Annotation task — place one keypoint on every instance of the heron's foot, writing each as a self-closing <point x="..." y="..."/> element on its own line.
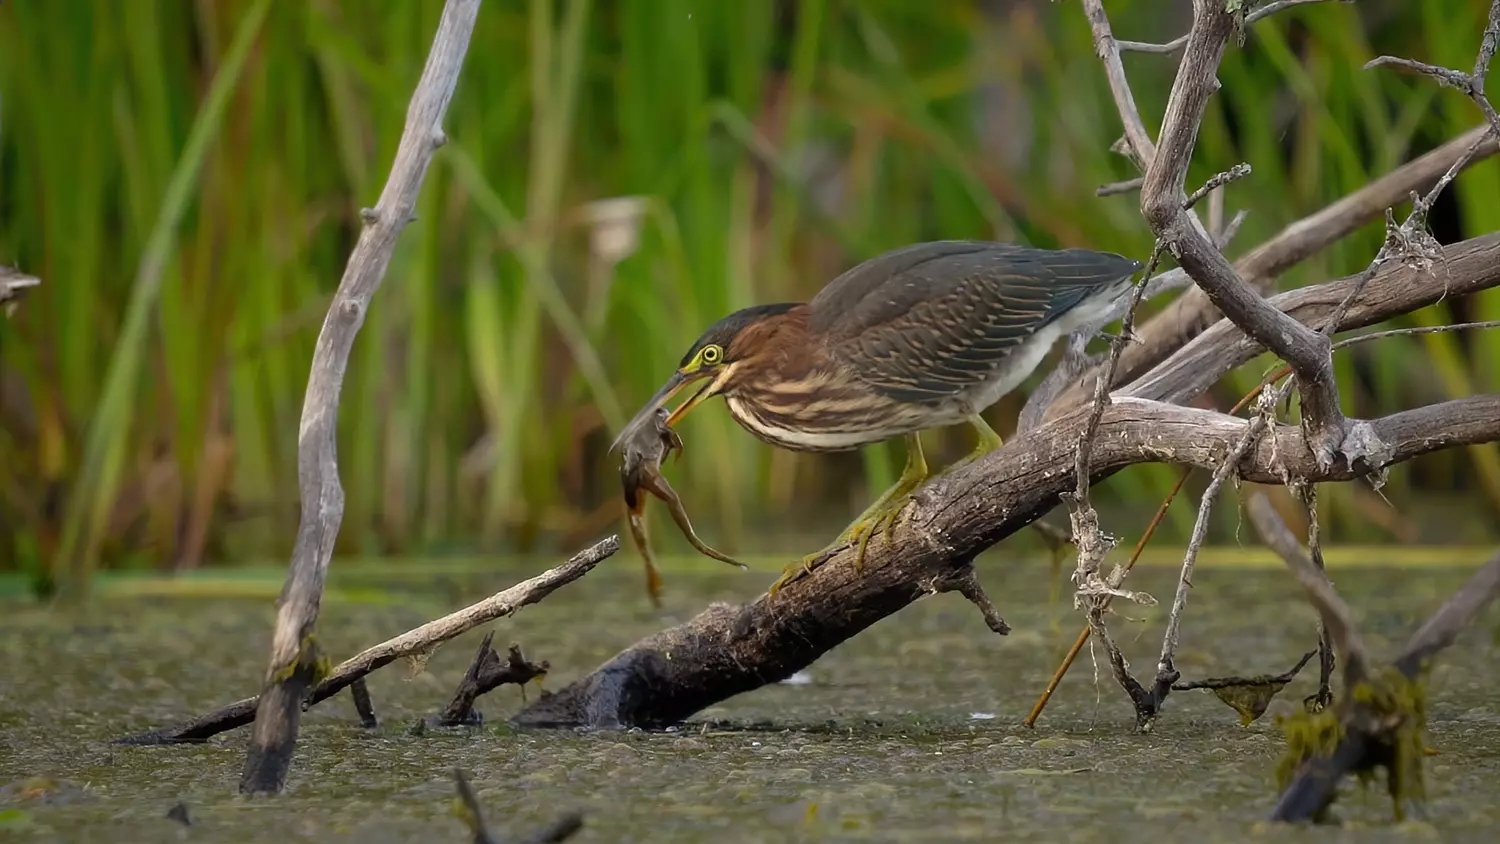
<point x="880" y="519"/>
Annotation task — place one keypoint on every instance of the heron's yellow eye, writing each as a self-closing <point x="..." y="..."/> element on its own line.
<point x="711" y="355"/>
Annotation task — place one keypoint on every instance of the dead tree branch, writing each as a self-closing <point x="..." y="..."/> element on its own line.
<point x="13" y="285"/>
<point x="1380" y="723"/>
<point x="421" y="640"/>
<point x="293" y="650"/>
<point x="487" y="673"/>
<point x="730" y="649"/>
<point x="1192" y="312"/>
<point x="363" y="707"/>
<point x="1470" y="84"/>
<point x="1308" y="352"/>
<point x="1394" y="289"/>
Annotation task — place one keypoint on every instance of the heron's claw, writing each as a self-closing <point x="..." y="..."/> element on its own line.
<point x="880" y="517"/>
<point x="880" y="520"/>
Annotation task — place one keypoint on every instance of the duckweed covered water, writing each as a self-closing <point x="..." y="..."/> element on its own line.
<point x="911" y="732"/>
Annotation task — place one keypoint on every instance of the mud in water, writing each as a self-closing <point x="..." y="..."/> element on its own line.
<point x="911" y="732"/>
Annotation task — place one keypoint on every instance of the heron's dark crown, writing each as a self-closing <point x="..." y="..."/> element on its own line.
<point x="723" y="332"/>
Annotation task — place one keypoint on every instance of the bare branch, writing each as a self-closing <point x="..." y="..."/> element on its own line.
<point x="1452" y="617"/>
<point x="1452" y="78"/>
<point x="1143" y="150"/>
<point x="1166" y="670"/>
<point x="1235" y="173"/>
<point x="473" y="816"/>
<point x="417" y="641"/>
<point x="1471" y="84"/>
<point x="363" y="707"/>
<point x="13" y="284"/>
<point x="287" y="675"/>
<point x="1307" y="351"/>
<point x="1182" y="320"/>
<point x="1177" y="43"/>
<point x="967" y="584"/>
<point x="1414" y="331"/>
<point x="485" y="674"/>
<point x="1120" y="187"/>
<point x="1393" y="289"/>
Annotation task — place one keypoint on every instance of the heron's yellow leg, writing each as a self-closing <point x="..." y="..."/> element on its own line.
<point x="879" y="516"/>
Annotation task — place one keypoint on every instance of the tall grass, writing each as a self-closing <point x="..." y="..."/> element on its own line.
<point x="760" y="148"/>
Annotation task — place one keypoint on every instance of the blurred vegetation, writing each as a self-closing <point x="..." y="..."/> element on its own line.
<point x="186" y="178"/>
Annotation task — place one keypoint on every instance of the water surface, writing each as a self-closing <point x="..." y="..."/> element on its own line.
<point x="910" y="732"/>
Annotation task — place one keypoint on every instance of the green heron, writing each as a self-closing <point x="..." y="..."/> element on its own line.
<point x="920" y="337"/>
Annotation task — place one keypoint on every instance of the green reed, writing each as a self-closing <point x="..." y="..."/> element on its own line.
<point x="186" y="178"/>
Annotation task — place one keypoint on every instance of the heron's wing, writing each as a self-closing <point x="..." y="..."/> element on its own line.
<point x="929" y="321"/>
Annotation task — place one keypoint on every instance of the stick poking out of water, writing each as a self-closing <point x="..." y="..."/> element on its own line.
<point x="472" y="813"/>
<point x="486" y="673"/>
<point x="293" y="661"/>
<point x="420" y="640"/>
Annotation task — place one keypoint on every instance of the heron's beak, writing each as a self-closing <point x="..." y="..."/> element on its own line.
<point x="709" y="390"/>
<point x="673" y="386"/>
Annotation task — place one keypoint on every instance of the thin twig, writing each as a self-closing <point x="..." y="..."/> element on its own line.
<point x="966" y="583"/>
<point x="1442" y="629"/>
<point x="1336" y="615"/>
<point x="473" y="814"/>
<point x="559" y="830"/>
<point x="1413" y="331"/>
<point x="1120" y="187"/>
<point x="1235" y="173"/>
<point x="1190" y="314"/>
<point x="1166" y="670"/>
<point x="1177" y="43"/>
<point x="1308" y="493"/>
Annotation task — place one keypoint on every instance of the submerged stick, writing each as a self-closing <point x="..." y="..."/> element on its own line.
<point x="487" y="673"/>
<point x="290" y="670"/>
<point x="419" y="640"/>
<point x="362" y="705"/>
<point x="472" y="814"/>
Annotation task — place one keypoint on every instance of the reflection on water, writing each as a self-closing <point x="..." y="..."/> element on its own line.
<point x="908" y="733"/>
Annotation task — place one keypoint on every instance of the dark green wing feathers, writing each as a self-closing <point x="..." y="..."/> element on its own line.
<point x="927" y="322"/>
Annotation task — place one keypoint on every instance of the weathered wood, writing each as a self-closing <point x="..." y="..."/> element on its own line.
<point x="1192" y="312"/>
<point x="416" y="641"/>
<point x="1368" y="734"/>
<point x="728" y="649"/>
<point x="279" y="708"/>
<point x="486" y="673"/>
